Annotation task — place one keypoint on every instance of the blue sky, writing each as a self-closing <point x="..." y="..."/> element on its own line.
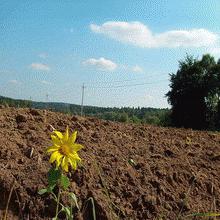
<point x="122" y="50"/>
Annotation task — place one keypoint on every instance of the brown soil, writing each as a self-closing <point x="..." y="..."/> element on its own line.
<point x="175" y="172"/>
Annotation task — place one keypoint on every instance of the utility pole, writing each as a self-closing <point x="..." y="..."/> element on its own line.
<point x="47" y="98"/>
<point x="83" y="88"/>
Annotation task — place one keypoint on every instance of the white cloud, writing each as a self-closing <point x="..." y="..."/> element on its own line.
<point x="140" y="35"/>
<point x="43" y="55"/>
<point x="40" y="66"/>
<point x="137" y="69"/>
<point x="45" y="82"/>
<point x="101" y="64"/>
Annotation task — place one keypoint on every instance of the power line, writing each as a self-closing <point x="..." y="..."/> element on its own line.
<point x="116" y="86"/>
<point x="128" y="85"/>
<point x="127" y="80"/>
<point x="83" y="88"/>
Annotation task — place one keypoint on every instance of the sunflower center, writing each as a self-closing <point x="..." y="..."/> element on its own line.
<point x="65" y="150"/>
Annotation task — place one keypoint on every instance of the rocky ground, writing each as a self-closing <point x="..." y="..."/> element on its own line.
<point x="131" y="171"/>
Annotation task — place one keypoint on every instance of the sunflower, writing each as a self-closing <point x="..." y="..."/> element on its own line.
<point x="64" y="150"/>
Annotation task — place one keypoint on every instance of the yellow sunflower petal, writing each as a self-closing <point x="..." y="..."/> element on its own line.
<point x="59" y="162"/>
<point x="72" y="138"/>
<point x="74" y="156"/>
<point x="59" y="134"/>
<point x="54" y="156"/>
<point x="52" y="148"/>
<point x="64" y="164"/>
<point x="66" y="135"/>
<point x="55" y="139"/>
<point x="73" y="163"/>
<point x="77" y="147"/>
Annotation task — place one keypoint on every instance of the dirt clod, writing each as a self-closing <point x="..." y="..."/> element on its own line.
<point x="21" y="118"/>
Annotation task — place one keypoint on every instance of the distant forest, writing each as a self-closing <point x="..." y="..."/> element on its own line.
<point x="154" y="116"/>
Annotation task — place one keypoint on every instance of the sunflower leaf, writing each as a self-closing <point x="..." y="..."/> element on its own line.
<point x="73" y="200"/>
<point x="67" y="211"/>
<point x="64" y="182"/>
<point x="207" y="214"/>
<point x="42" y="191"/>
<point x="50" y="188"/>
<point x="53" y="176"/>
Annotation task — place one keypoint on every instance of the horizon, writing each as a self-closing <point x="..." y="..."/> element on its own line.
<point x="66" y="103"/>
<point x="123" y="56"/>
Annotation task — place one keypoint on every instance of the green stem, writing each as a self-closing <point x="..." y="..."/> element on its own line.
<point x="58" y="203"/>
<point x="54" y="196"/>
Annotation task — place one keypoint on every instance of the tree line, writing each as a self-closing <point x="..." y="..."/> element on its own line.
<point x="126" y="114"/>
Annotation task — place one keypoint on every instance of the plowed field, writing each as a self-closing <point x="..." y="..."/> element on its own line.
<point x="131" y="171"/>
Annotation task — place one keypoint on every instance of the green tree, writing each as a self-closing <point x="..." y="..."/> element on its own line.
<point x="151" y="119"/>
<point x="123" y="117"/>
<point x="213" y="99"/>
<point x="135" y="119"/>
<point x="194" y="92"/>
